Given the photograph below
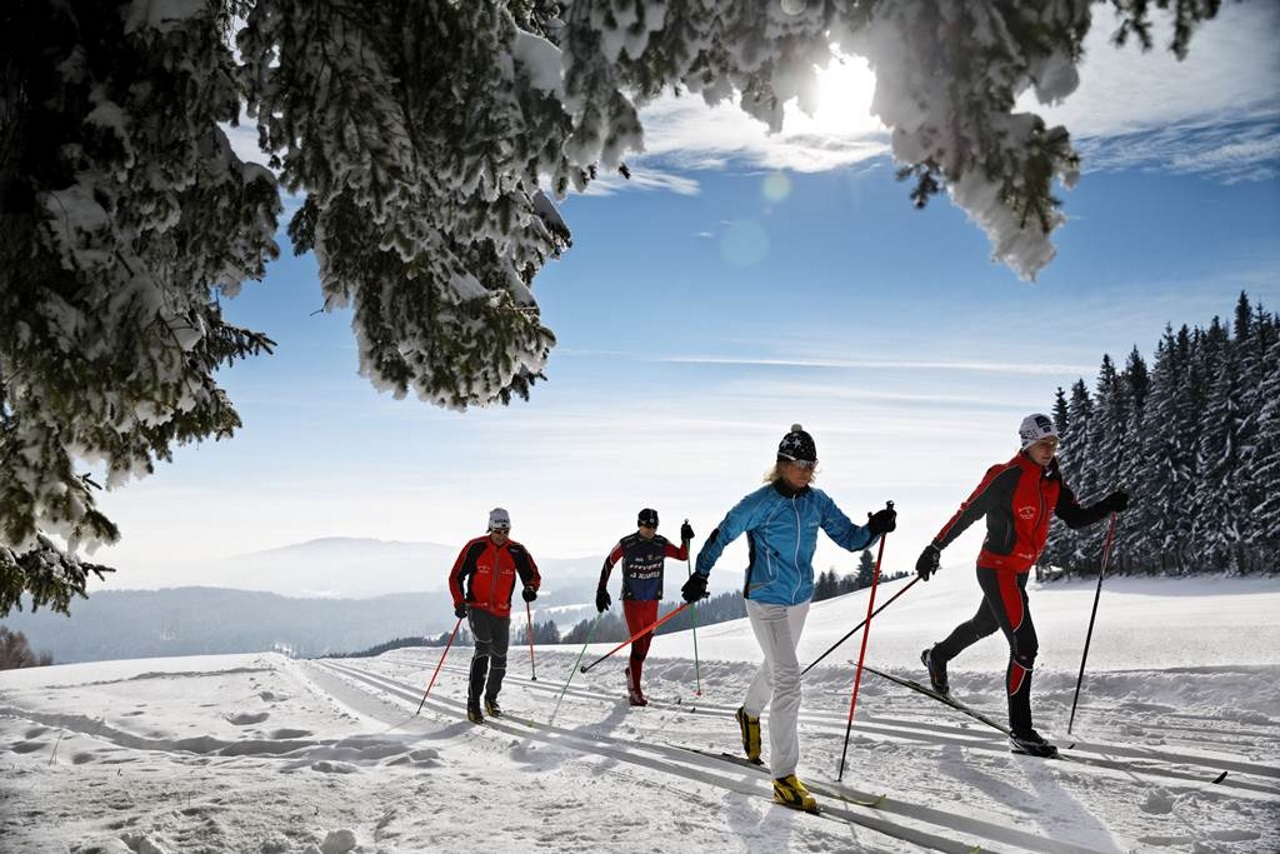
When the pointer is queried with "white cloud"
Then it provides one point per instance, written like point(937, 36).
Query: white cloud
point(1216, 112)
point(971, 367)
point(1232, 70)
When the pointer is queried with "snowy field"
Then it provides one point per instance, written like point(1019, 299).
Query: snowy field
point(263, 754)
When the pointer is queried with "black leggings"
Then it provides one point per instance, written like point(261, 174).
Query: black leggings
point(1004, 606)
point(492, 635)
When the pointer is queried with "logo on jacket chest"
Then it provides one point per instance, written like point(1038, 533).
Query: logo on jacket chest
point(1027, 512)
point(495, 569)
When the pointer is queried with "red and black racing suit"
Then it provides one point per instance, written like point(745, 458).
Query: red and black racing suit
point(1018, 499)
point(483, 576)
point(642, 564)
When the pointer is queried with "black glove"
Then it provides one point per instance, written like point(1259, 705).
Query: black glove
point(927, 563)
point(686, 532)
point(602, 600)
point(695, 588)
point(460, 610)
point(529, 594)
point(882, 521)
point(1116, 502)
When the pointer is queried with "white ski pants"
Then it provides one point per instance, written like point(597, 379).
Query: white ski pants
point(777, 682)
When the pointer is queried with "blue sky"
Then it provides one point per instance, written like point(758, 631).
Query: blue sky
point(740, 283)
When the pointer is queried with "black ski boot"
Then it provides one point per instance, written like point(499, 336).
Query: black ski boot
point(491, 708)
point(937, 672)
point(1030, 742)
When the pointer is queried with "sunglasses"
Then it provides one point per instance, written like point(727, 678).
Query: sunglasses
point(804, 465)
point(648, 524)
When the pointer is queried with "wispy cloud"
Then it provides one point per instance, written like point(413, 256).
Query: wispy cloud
point(1228, 151)
point(685, 133)
point(1216, 113)
point(969, 367)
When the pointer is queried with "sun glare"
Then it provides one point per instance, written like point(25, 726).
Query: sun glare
point(845, 90)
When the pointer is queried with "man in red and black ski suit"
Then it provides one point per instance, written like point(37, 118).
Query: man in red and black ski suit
point(482, 580)
point(1018, 499)
point(643, 555)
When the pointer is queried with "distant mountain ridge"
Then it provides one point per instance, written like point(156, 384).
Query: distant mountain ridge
point(209, 620)
point(328, 595)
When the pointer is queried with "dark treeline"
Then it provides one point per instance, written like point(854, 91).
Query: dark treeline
point(828, 585)
point(612, 628)
point(1194, 438)
point(15, 652)
point(463, 639)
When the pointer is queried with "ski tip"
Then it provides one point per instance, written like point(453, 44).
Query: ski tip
point(1220, 777)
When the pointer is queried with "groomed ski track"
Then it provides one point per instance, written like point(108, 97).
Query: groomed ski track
point(900, 816)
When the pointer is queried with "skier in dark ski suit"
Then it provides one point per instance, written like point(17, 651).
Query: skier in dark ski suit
point(1018, 499)
point(481, 582)
point(643, 555)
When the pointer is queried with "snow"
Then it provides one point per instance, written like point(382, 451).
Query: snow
point(262, 753)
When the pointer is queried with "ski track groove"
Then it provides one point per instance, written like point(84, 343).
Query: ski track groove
point(676, 760)
point(1126, 759)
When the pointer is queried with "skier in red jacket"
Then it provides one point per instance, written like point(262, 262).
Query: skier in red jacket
point(643, 555)
point(482, 580)
point(1018, 499)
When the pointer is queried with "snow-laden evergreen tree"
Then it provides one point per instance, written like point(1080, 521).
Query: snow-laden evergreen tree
point(1254, 335)
point(1076, 460)
point(1161, 523)
point(1265, 464)
point(428, 141)
point(124, 217)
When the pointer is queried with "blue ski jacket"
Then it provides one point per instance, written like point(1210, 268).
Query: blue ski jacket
point(782, 534)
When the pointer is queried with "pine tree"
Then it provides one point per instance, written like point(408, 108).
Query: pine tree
point(419, 135)
point(1265, 463)
point(866, 570)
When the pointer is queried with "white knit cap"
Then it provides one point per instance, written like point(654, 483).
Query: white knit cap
point(1035, 427)
point(499, 520)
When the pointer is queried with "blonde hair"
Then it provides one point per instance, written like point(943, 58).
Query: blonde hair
point(773, 475)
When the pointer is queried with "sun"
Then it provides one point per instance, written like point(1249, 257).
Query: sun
point(845, 89)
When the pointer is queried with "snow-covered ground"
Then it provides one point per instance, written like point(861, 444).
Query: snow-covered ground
point(263, 754)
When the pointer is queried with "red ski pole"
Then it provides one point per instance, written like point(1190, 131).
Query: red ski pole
point(437, 670)
point(584, 668)
point(866, 632)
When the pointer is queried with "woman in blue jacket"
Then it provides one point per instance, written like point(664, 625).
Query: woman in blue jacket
point(781, 520)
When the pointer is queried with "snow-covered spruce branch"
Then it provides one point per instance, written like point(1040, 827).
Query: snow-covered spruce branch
point(429, 138)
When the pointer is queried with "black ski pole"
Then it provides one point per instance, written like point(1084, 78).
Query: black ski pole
point(1106, 554)
point(860, 625)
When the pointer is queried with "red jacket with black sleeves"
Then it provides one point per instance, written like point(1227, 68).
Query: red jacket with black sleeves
point(1018, 498)
point(484, 575)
